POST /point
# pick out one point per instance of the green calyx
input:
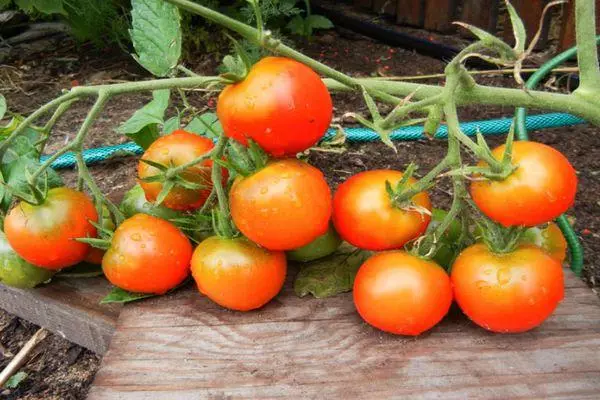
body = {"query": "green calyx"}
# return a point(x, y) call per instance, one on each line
point(170, 177)
point(401, 195)
point(243, 160)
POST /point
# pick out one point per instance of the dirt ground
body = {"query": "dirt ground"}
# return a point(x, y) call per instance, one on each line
point(60, 370)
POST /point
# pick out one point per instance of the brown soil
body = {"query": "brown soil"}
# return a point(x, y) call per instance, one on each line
point(62, 370)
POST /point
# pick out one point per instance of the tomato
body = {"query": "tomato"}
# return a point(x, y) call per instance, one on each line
point(282, 105)
point(283, 206)
point(94, 256)
point(508, 293)
point(321, 247)
point(134, 202)
point(402, 294)
point(539, 190)
point(147, 255)
point(236, 273)
point(16, 272)
point(45, 235)
point(364, 215)
point(550, 239)
point(175, 149)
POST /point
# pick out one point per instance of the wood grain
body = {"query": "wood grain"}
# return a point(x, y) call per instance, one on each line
point(481, 13)
point(387, 7)
point(185, 347)
point(367, 4)
point(410, 12)
point(439, 15)
point(68, 307)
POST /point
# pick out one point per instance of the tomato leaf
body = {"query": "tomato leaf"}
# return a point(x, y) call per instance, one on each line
point(156, 35)
point(118, 295)
point(491, 41)
point(318, 22)
point(331, 275)
point(518, 28)
point(206, 124)
point(172, 124)
point(142, 127)
point(14, 381)
point(2, 106)
point(43, 6)
point(296, 25)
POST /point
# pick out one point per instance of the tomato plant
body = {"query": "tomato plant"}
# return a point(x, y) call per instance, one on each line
point(282, 105)
point(402, 294)
point(511, 292)
point(285, 205)
point(321, 247)
point(541, 188)
point(147, 255)
point(16, 272)
point(44, 235)
point(365, 215)
point(221, 264)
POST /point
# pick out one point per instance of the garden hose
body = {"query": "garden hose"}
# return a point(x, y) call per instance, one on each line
point(575, 248)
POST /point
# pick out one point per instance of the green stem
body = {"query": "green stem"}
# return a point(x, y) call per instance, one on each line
point(47, 129)
point(186, 71)
point(217, 179)
point(425, 182)
point(587, 54)
point(399, 113)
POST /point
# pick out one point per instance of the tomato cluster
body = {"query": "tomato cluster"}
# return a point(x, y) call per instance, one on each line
point(284, 209)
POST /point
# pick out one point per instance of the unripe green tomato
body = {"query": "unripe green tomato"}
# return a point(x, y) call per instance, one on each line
point(134, 202)
point(16, 272)
point(448, 246)
point(322, 246)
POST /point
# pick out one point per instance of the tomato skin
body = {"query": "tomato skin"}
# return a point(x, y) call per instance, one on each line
point(550, 239)
point(542, 188)
point(16, 272)
point(45, 235)
point(364, 216)
point(507, 293)
point(282, 105)
point(402, 294)
point(134, 202)
point(283, 206)
point(176, 148)
point(147, 255)
point(322, 246)
point(236, 273)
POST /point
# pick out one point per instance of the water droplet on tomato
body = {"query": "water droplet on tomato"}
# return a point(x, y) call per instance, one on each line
point(165, 152)
point(531, 301)
point(264, 190)
point(268, 131)
point(136, 237)
point(544, 290)
point(482, 284)
point(488, 271)
point(503, 276)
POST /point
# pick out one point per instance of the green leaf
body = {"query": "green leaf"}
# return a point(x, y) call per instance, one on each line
point(518, 28)
point(14, 381)
point(4, 4)
point(205, 124)
point(118, 295)
point(142, 127)
point(172, 124)
point(296, 25)
point(156, 35)
point(2, 101)
point(44, 6)
point(330, 275)
point(81, 270)
point(491, 41)
point(318, 22)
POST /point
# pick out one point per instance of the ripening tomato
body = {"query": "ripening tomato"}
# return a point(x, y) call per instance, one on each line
point(322, 246)
point(549, 238)
point(45, 235)
point(402, 294)
point(282, 105)
point(147, 255)
point(236, 273)
point(508, 293)
point(539, 190)
point(283, 206)
point(175, 149)
point(16, 272)
point(364, 215)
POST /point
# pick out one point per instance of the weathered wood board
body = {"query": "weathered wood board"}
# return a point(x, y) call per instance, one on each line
point(184, 347)
point(68, 307)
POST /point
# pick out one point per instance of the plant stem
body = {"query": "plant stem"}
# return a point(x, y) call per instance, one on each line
point(47, 129)
point(217, 179)
point(587, 54)
point(425, 182)
point(400, 112)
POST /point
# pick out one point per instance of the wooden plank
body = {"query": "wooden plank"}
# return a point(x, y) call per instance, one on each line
point(410, 12)
point(387, 7)
point(530, 12)
point(481, 13)
point(68, 307)
point(363, 4)
point(185, 347)
point(439, 15)
point(567, 33)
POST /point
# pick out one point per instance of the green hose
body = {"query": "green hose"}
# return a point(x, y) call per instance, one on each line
point(575, 248)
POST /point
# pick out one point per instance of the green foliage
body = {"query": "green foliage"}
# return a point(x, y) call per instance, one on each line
point(156, 35)
point(2, 106)
point(143, 126)
point(118, 295)
point(14, 381)
point(306, 26)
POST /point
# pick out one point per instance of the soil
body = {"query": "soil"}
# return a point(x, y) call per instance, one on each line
point(37, 73)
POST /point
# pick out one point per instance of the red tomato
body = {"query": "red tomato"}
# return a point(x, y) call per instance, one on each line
point(508, 293)
point(542, 188)
point(364, 215)
point(236, 273)
point(45, 235)
point(283, 206)
point(282, 105)
point(175, 149)
point(402, 294)
point(147, 255)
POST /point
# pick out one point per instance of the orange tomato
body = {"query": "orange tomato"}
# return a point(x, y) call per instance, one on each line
point(147, 255)
point(285, 205)
point(364, 215)
point(236, 273)
point(402, 294)
point(282, 105)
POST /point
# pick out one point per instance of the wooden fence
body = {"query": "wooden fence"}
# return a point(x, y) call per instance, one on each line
point(438, 15)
